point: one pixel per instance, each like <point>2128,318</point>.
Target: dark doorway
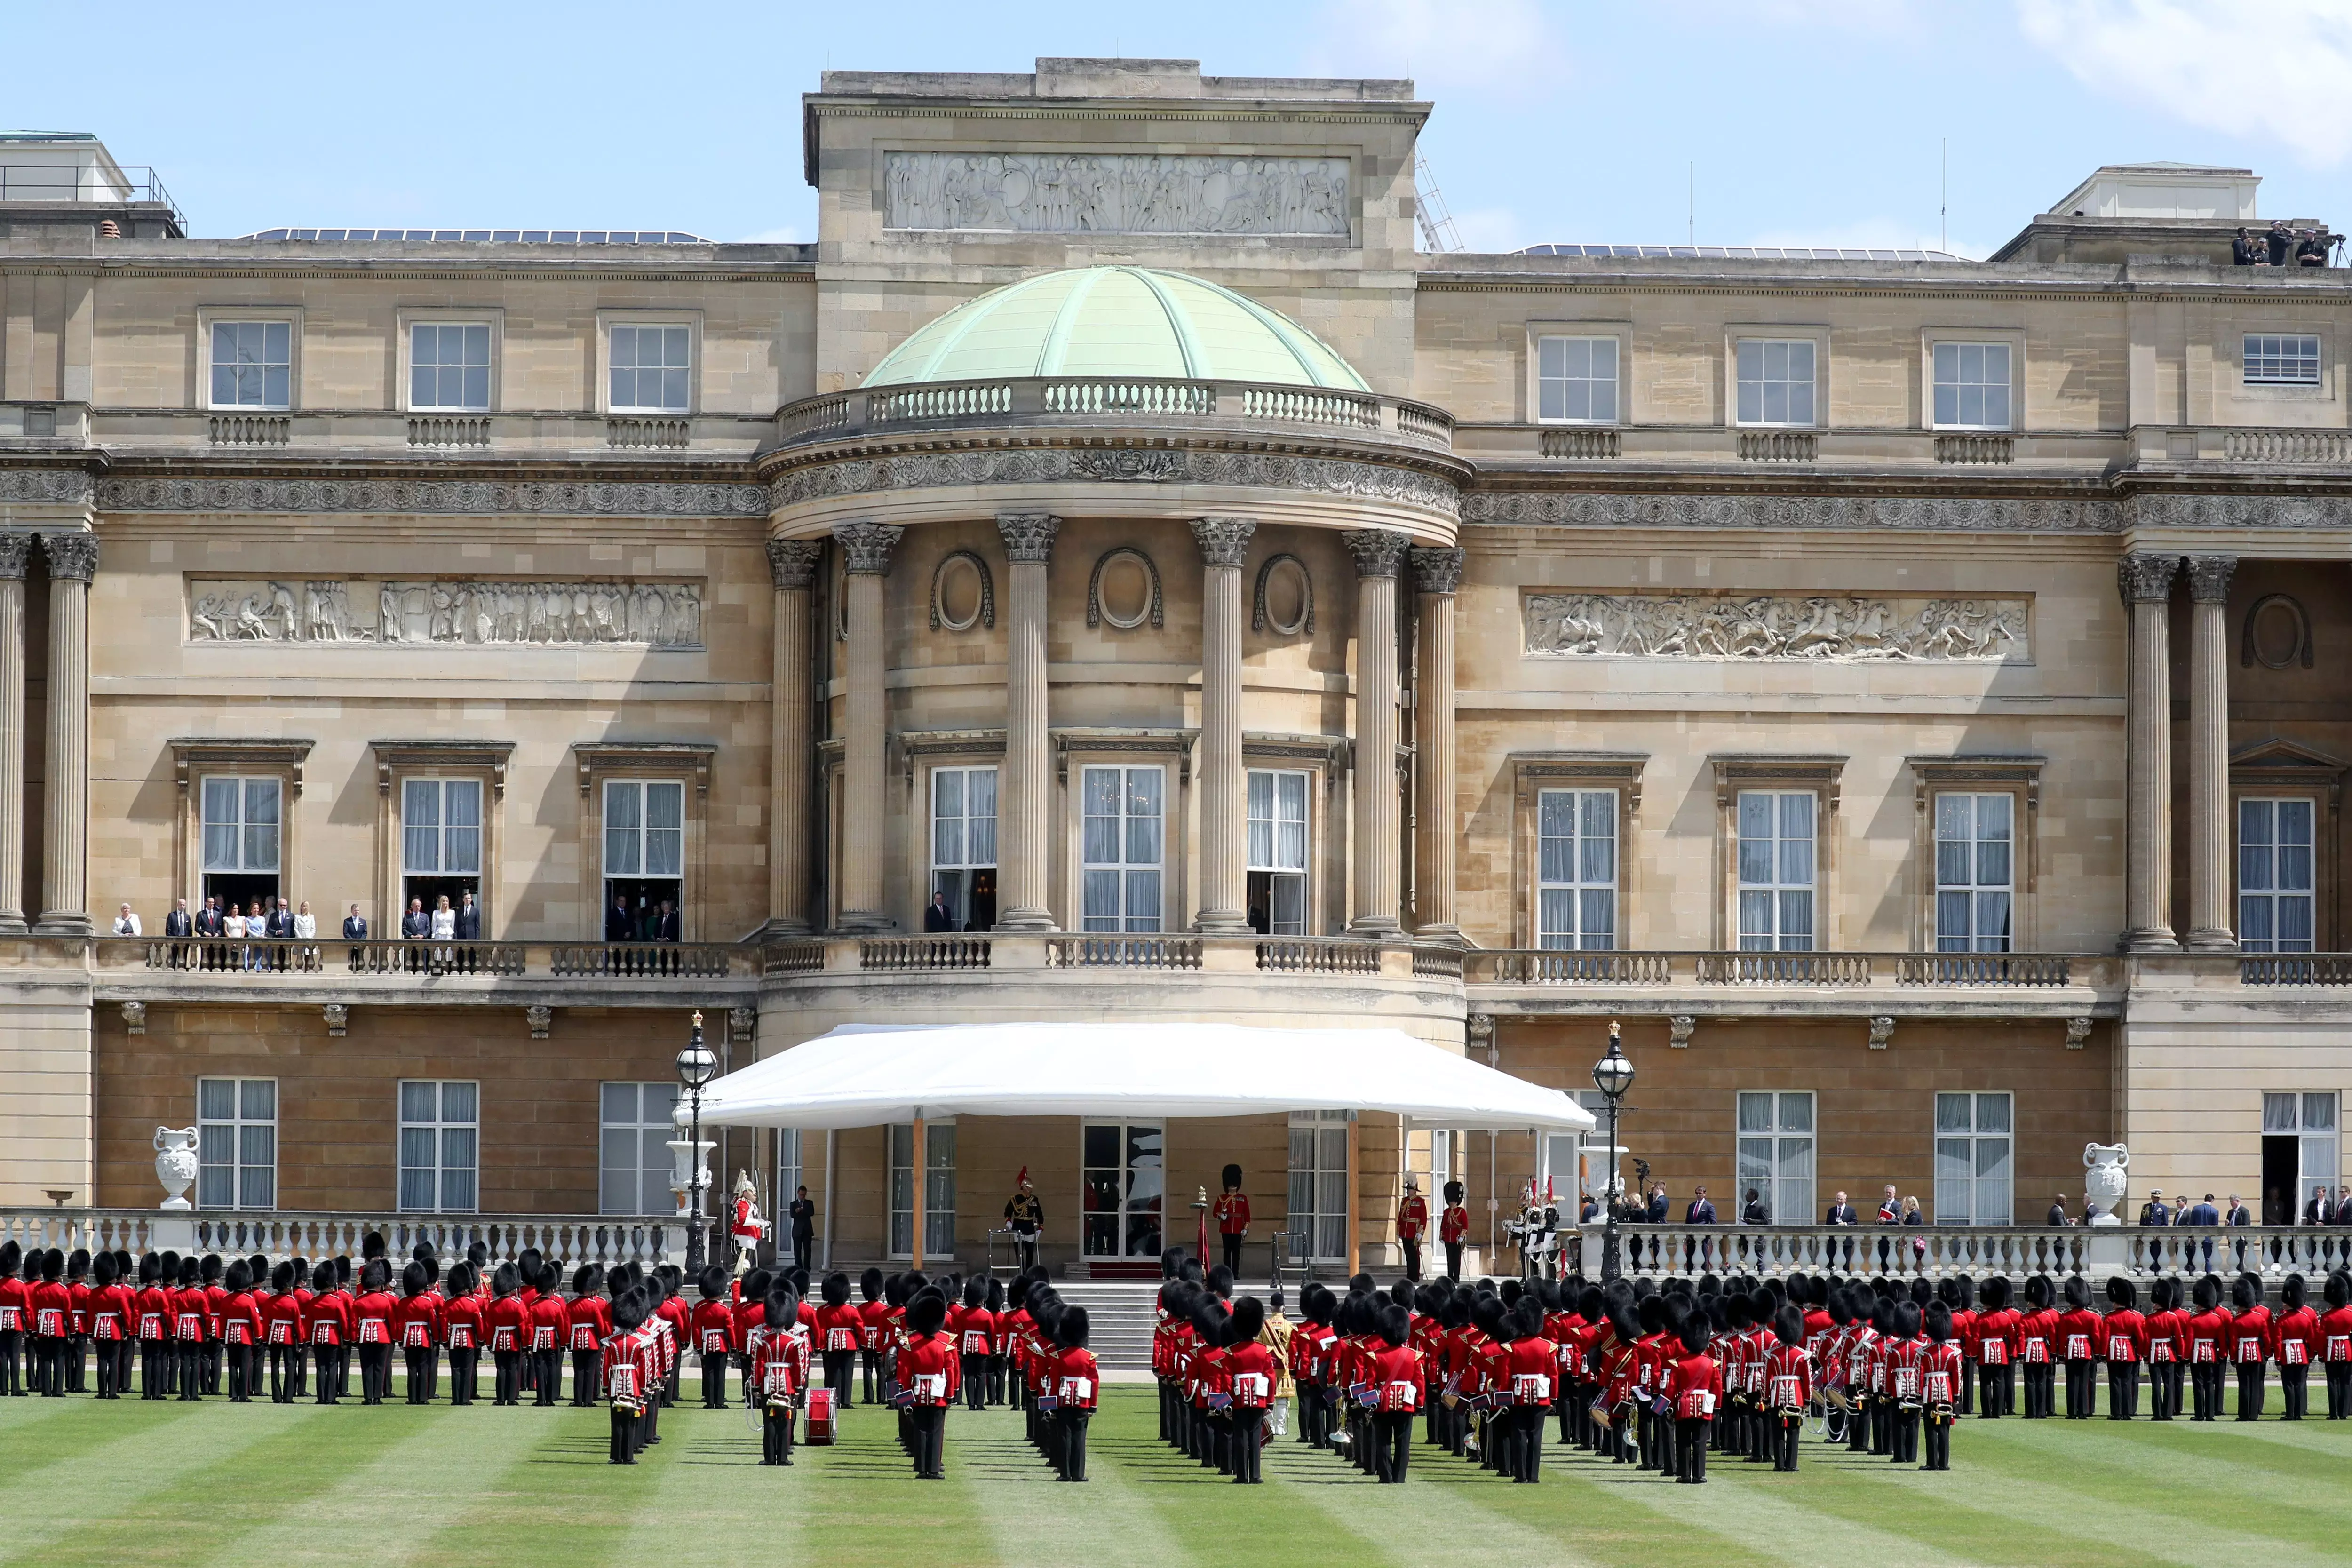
<point>2281,1172</point>
<point>640,897</point>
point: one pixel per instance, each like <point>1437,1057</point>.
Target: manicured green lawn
<point>127,1483</point>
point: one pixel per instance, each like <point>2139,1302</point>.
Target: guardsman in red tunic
<point>1400,1383</point>
<point>712,1330</point>
<point>842,1334</point>
<point>1250,1373</point>
<point>621,1373</point>
<point>871,1310</point>
<point>2296,1345</point>
<point>2123,1345</point>
<point>188,1318</point>
<point>927,1372</point>
<point>1694,1386</point>
<point>15,1297</point>
<point>1788,1387</point>
<point>1231,1214</point>
<point>778,1372</point>
<point>78,1298</point>
<point>587,1324</point>
<point>1616,1367</point>
<point>2249,1344</point>
<point>241,1332</point>
<point>1956,1296</point>
<point>1533,1367</point>
<point>416,1330</point>
<point>1078,1389</point>
<point>1452,1229</point>
<point>465,1328</point>
<point>374,1312</point>
<point>1656,1427</point>
<point>327,1328</point>
<point>1904,1383</point>
<point>2336,1343</point>
<point>2037,1348</point>
<point>2164,1334</point>
<point>111,1327</point>
<point>2077,1339</point>
<point>216,1298</point>
<point>973,1326</point>
<point>1940,1380</point>
<point>510,1326</point>
<point>1996,1359</point>
<point>2208,1324</point>
<point>1411,1225</point>
<point>1311,1346</point>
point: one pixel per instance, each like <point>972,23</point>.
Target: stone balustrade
<point>568,1239</point>
<point>1688,1251</point>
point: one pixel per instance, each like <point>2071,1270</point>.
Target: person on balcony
<point>305,927</point>
<point>127,922</point>
<point>177,923</point>
<point>2152,1212</point>
<point>416,926</point>
<point>618,926</point>
<point>937,916</point>
<point>2320,1209</point>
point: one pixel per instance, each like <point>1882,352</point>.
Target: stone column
<point>1224,782</point>
<point>1378,552</point>
<point>1024,831</point>
<point>14,548</point>
<point>64,845</point>
<point>1435,574</point>
<point>865,553</point>
<point>792,565</point>
<point>2146,583</point>
<point>2211,928</point>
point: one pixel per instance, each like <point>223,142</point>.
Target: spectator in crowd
<point>618,926</point>
<point>127,922</point>
<point>305,927</point>
<point>1658,1207</point>
<point>2237,1212</point>
<point>2152,1212</point>
<point>936,915</point>
<point>2281,240</point>
<point>177,923</point>
<point>1912,1214</point>
<point>1840,1212</point>
<point>2311,250</point>
<point>416,926</point>
<point>356,928</point>
<point>2320,1209</point>
<point>2245,250</point>
<point>666,926</point>
<point>281,923</point>
<point>1701,1210</point>
<point>208,919</point>
<point>2058,1212</point>
<point>2344,1205</point>
<point>1890,1207</point>
<point>1753,1211</point>
<point>1589,1211</point>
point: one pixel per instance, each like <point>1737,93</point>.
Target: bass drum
<point>820,1418</point>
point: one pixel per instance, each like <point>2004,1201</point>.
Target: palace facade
<point>1116,574</point>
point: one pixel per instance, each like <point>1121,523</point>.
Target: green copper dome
<point>1117,322</point>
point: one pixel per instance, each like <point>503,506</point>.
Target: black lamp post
<point>1613,1075</point>
<point>695,1066</point>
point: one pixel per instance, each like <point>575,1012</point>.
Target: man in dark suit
<point>2057,1212</point>
<point>468,927</point>
<point>1701,1210</point>
<point>618,926</point>
<point>1657,1215</point>
<point>279,929</point>
<point>178,923</point>
<point>1841,1213</point>
<point>936,916</point>
<point>355,928</point>
<point>2152,1212</point>
<point>2320,1210</point>
<point>668,926</point>
<point>416,926</point>
<point>803,1215</point>
<point>208,923</point>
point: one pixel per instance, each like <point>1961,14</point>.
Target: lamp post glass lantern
<point>1613,1076</point>
<point>696,1068</point>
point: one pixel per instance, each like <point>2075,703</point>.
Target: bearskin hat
<point>2122,1294</point>
<point>209,1270</point>
<point>1249,1319</point>
<point>104,1270</point>
<point>1695,1334</point>
<point>1220,1282</point>
<point>1394,1325</point>
<point>2037,1292</point>
<point>341,1265</point>
<point>1171,1259</point>
<point>372,1245</point>
<point>2337,1291</point>
<point>412,1279</point>
<point>376,1276</point>
<point>53,1266</point>
<point>1230,1176</point>
<point>1789,1325</point>
<point>1937,1321</point>
<point>975,1290</point>
<point>12,1258</point>
<point>1907,1320</point>
<point>322,1277</point>
<point>711,1283</point>
<point>1994,1292</point>
<point>506,1281</point>
<point>927,1311</point>
<point>1736,1315</point>
<point>2206,1294</point>
<point>191,1271</point>
<point>2078,1293</point>
<point>2243,1295</point>
<point>583,1279</point>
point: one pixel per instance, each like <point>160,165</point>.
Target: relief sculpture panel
<point>1115,192</point>
<point>479,612</point>
<point>1774,626</point>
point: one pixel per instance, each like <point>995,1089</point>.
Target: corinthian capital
<point>1435,569</point>
<point>72,555</point>
<point>2145,577</point>
<point>1377,550</point>
<point>792,562</point>
<point>14,550</point>
<point>1028,535</point>
<point>1222,539</point>
<point>865,547</point>
<point>2208,578</point>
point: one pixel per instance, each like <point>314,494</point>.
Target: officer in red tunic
<point>1231,1214</point>
<point>2123,1345</point>
<point>1788,1385</point>
<point>1411,1225</point>
<point>621,1373</point>
<point>2207,1326</point>
<point>2249,1344</point>
<point>778,1371</point>
<point>241,1332</point>
<point>1939,1380</point>
<point>110,1326</point>
<point>1694,1386</point>
<point>1452,1229</point>
<point>712,1330</point>
<point>587,1324</point>
<point>927,1372</point>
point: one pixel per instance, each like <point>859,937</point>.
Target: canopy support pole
<point>923,1171</point>
<point>1355,1175</point>
<point>828,1200</point>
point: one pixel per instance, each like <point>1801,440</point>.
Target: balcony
<point>1761,984</point>
<point>656,974</point>
<point>131,435</point>
<point>1632,450</point>
<point>604,1240</point>
<point>1688,1251</point>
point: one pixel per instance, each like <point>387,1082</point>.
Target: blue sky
<point>1806,121</point>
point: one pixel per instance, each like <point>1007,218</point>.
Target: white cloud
<point>1507,47</point>
<point>2281,69</point>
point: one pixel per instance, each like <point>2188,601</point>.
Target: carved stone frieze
<point>2264,512</point>
<point>461,496</point>
<point>1939,514</point>
<point>1051,464</point>
<point>1113,193</point>
<point>1223,541</point>
<point>72,555</point>
<point>1774,626</point>
<point>449,612</point>
<point>792,562</point>
<point>46,487</point>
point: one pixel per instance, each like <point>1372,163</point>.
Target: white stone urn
<point>2105,1167</point>
<point>175,1165</point>
<point>687,1156</point>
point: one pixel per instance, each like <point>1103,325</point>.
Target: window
<point>1122,848</point>
<point>237,1142</point>
<point>649,369</point>
<point>1972,872</point>
<point>1973,1152</point>
<point>253,364</point>
<point>1575,381</point>
<point>2281,359</point>
<point>644,855</point>
<point>1972,386</point>
<point>1775,381</point>
<point>939,1190</point>
<point>789,1178</point>
<point>1576,868</point>
<point>240,830</point>
<point>1122,1187</point>
<point>1277,853</point>
<point>2274,875</point>
<point>1776,1154</point>
<point>963,846</point>
<point>1776,871</point>
<point>1319,1181</point>
<point>440,1135</point>
<point>449,366</point>
<point>2299,1135</point>
<point>440,839</point>
<point>634,1160</point>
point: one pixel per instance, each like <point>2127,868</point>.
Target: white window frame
<point>441,1125</point>
<point>607,320</point>
<point>613,367</point>
<point>442,829</point>
<point>1776,890</point>
<point>1763,341</point>
<point>1958,350</point>
<point>1581,882</point>
<point>939,1190</point>
<point>409,320</point>
<point>2272,864</point>
<point>641,834</point>
<point>2319,1149</point>
<point>241,826</point>
<point>208,316</point>
<point>964,862</point>
<point>647,1166</point>
<point>1132,1184</point>
<point>1976,1138</point>
<point>789,1177</point>
<point>1973,855</point>
<point>213,365</point>
<point>1318,1188</point>
<point>1128,872</point>
<point>1788,1199</point>
<point>2277,351</point>
<point>252,1180</point>
<point>1265,852</point>
<point>1556,354</point>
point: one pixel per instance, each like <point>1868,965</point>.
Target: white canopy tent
<point>864,1075</point>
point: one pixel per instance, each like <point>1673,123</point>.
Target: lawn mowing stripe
<point>542,1477</point>
<point>36,1433</point>
<point>97,1482</point>
<point>2290,1465</point>
<point>1116,1522</point>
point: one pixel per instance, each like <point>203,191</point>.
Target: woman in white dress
<point>306,926</point>
<point>444,929</point>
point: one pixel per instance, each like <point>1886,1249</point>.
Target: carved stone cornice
<point>459,496</point>
<point>15,549</point>
<point>2147,577</point>
<point>1968,515</point>
<point>865,547</point>
<point>1377,551</point>
<point>47,486</point>
<point>1223,541</point>
<point>70,555</point>
<point>1436,569</point>
<point>1028,535</point>
<point>2208,578</point>
<point>2242,511</point>
<point>793,563</point>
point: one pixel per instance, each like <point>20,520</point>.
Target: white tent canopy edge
<point>862,1075</point>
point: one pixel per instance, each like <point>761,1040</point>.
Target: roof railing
<point>91,185</point>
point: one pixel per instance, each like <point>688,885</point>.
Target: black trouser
<point>417,1358</point>
<point>930,1423</point>
<point>2339,1390</point>
<point>1968,1388</point>
<point>623,1450</point>
<point>2080,1389</point>
<point>49,1367</point>
<point>332,1361</point>
<point>1940,1440</point>
<point>1453,1260</point>
<point>2295,1388</point>
<point>2249,1390</point>
<point>776,1434</point>
<point>2122,1390</point>
<point>2175,1377</point>
<point>803,1245</point>
<point>1392,1444</point>
<point>12,1377</point>
<point>1787,1426</point>
<point>509,1377</point>
<point>1412,1257</point>
<point>239,1369</point>
<point>1882,1425</point>
<point>1074,1441</point>
<point>1529,1457</point>
<point>2160,1397</point>
<point>1246,1426</point>
<point>714,1381</point>
<point>1234,1254</point>
<point>188,1368</point>
<point>842,1390</point>
<point>76,1361</point>
<point>995,1366</point>
<point>1857,1422</point>
<point>464,1380</point>
<point>1618,1452</point>
<point>213,1361</point>
<point>1999,1385</point>
<point>109,1364</point>
<point>975,1383</point>
<point>584,1377</point>
<point>1690,1438</point>
<point>1025,1249</point>
<point>1905,1447</point>
<point>840,1375</point>
<point>2040,1379</point>
<point>2205,1389</point>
